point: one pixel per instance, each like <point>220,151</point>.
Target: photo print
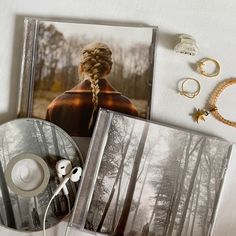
<point>70,70</point>
<point>152,180</point>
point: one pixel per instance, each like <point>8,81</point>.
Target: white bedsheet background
<point>212,23</point>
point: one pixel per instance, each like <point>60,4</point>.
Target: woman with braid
<point>76,110</point>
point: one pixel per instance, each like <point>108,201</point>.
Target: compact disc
<point>29,151</point>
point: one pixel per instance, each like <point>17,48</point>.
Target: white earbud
<point>63,167</point>
<point>74,176</point>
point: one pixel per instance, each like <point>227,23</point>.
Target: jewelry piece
<point>183,91</point>
<point>200,114</point>
<point>187,45</point>
<point>202,63</point>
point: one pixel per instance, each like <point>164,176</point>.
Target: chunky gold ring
<point>185,92</point>
<point>202,63</point>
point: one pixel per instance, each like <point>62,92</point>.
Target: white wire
<point>45,215</point>
<point>46,211</point>
<point>69,208</point>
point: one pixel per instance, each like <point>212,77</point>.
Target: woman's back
<point>73,109</point>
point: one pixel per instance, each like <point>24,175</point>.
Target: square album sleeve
<point>69,69</point>
<point>144,178</point>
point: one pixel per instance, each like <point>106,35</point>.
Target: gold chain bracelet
<point>200,114</point>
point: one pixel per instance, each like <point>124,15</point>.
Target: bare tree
<point>56,206</point>
<point>196,203</point>
<point>179,189</point>
<point>55,142</point>
<point>208,190</point>
<point>124,154</point>
<point>190,209</point>
<point>49,52</point>
<point>142,188</point>
<point>1,220</point>
<point>117,200</point>
<point>188,154</point>
<point>6,196</point>
<point>119,231</point>
<point>191,184</point>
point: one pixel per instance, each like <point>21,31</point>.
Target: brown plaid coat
<point>72,110</point>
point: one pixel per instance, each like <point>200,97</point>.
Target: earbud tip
<point>63,167</point>
<point>76,174</point>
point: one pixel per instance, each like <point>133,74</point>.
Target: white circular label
<point>27,174</point>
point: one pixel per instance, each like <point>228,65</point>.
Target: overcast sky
<point>125,35</point>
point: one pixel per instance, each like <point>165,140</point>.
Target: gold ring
<point>183,91</point>
<point>201,64</point>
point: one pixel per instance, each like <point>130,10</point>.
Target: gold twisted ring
<point>201,64</point>
<point>185,92</point>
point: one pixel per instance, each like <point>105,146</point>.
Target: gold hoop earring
<point>202,63</point>
<point>185,92</point>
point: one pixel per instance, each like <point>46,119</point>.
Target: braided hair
<point>96,62</point>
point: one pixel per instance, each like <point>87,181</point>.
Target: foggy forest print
<point>156,181</point>
<point>49,143</point>
<point>59,45</point>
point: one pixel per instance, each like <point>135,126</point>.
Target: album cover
<point>143,178</point>
<point>69,70</point>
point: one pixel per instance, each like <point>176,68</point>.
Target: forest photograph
<point>26,136</point>
<point>156,181</point>
<point>57,58</point>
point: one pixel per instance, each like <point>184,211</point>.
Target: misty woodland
<point>155,180</point>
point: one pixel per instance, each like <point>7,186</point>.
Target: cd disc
<point>29,151</point>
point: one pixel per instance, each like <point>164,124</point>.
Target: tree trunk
<point>218,183</point>
<point>107,207</point>
<point>1,219</point>
<point>55,142</point>
<point>115,182</point>
<point>154,207</point>
<point>190,211</point>
<point>191,184</point>
<point>40,65</point>
<point>168,216</point>
<point>44,146</point>
<point>51,162</point>
<point>122,197</point>
<point>180,188</point>
<point>117,201</point>
<point>6,200</point>
<point>51,76</point>
<point>141,193</point>
<point>64,148</point>
<point>19,208</point>
<point>39,144</point>
<point>196,204</point>
<point>119,231</point>
<point>205,220</point>
<point>156,202</point>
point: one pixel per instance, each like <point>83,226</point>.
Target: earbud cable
<point>69,208</point>
<point>45,216</point>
